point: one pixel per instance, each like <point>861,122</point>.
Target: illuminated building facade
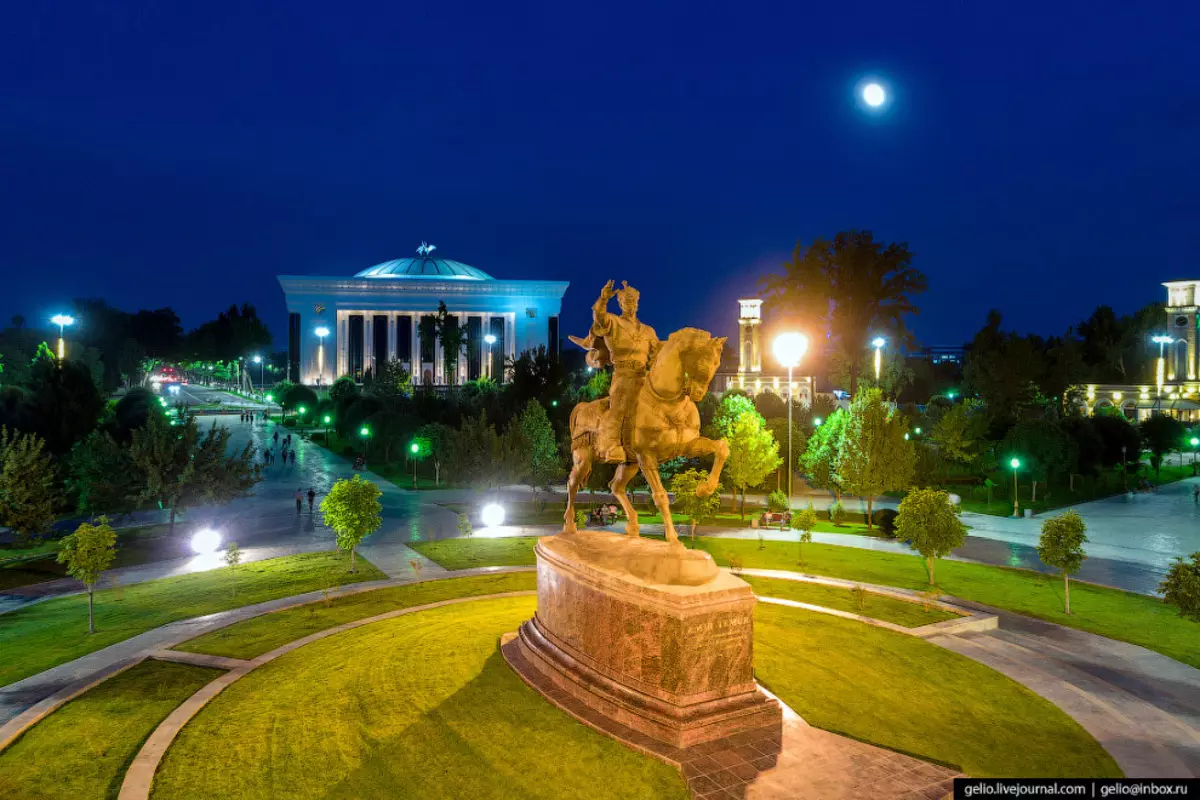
<point>349,325</point>
<point>750,374</point>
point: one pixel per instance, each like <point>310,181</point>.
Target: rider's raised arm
<point>601,319</point>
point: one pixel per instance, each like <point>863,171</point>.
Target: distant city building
<point>348,325</point>
<point>1176,390</point>
<point>939,355</point>
<point>750,375</point>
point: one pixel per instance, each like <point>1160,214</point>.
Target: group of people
<point>286,452</point>
<point>253,416</point>
<point>312,496</point>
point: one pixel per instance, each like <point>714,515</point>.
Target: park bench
<point>773,518</point>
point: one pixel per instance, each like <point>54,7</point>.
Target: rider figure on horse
<point>629,345</point>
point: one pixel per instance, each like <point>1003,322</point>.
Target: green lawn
<point>140,545</point>
<point>420,706</point>
<point>1060,495</point>
<point>83,749</point>
<point>875,606</point>
<point>46,634</point>
<point>253,637</point>
<point>906,694</point>
<point>1135,618</point>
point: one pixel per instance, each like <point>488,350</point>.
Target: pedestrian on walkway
<point>276,437</point>
<point>311,497</point>
<point>1196,493</point>
<point>299,500</point>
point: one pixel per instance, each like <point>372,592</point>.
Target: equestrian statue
<point>650,414</point>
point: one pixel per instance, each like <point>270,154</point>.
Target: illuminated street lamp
<point>321,333</point>
<point>262,367</point>
<point>62,321</point>
<point>1160,373</point>
<point>415,448</point>
<point>300,412</point>
<point>1015,463</point>
<point>816,422</point>
<point>326,419</point>
<point>950,395</point>
<point>1195,442</point>
<point>490,340</point>
<point>789,348</point>
<point>878,342</point>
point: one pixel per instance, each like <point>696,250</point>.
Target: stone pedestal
<point>671,661</point>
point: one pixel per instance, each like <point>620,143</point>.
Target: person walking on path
<point>311,497</point>
<point>299,500</point>
<point>276,437</point>
<point>1196,493</point>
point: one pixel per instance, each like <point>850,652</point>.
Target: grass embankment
<point>420,706</point>
<point>1134,618</point>
<point>912,614</point>
<point>253,637</point>
<point>141,545</point>
<point>83,749</point>
<point>1059,495</point>
<point>46,634</point>
<point>906,694</point>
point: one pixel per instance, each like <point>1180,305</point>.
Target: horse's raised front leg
<point>719,449</point>
<point>662,501</point>
<point>625,473</point>
<point>580,470</point>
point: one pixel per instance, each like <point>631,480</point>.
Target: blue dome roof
<point>425,267</point>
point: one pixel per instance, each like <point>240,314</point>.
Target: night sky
<point>1040,158</point>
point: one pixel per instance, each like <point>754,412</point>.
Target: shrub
<point>347,451</point>
<point>581,518</point>
<point>777,501</point>
<point>885,520</point>
<point>1181,587</point>
<point>837,512</point>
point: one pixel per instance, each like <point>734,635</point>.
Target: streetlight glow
<point>492,515</point>
<point>62,321</point>
<point>874,95</point>
<point>321,333</point>
<point>205,541</point>
<point>490,339</point>
<point>789,348</point>
<point>1015,463</point>
<point>878,342</point>
<point>816,422</point>
<point>365,431</point>
<point>414,448</point>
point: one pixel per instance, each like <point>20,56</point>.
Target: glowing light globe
<point>874,95</point>
<point>205,541</point>
<point>492,515</point>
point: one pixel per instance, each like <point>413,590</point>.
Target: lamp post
<point>300,412</point>
<point>878,342</point>
<point>365,433</point>
<point>1160,372</point>
<point>415,448</point>
<point>1124,471</point>
<point>490,340</point>
<point>62,321</point>
<point>789,349</point>
<point>1015,463</point>
<point>321,333</point>
<point>262,368</point>
<point>1194,442</point>
<point>326,420</point>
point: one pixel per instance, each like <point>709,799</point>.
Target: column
<point>743,355</point>
<point>415,348</point>
<point>391,337</point>
<point>756,358</point>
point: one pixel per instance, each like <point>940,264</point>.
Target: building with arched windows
<point>349,325</point>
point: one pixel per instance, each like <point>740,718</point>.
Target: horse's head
<point>699,355</point>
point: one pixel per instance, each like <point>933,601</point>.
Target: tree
<point>102,476</point>
<point>219,476</point>
<point>1061,547</point>
<point>1043,448</point>
<point>28,492</point>
<point>476,455</point>
<point>875,458</point>
<point>62,404</point>
<point>392,383</point>
<point>697,509</point>
<point>753,454</point>
<point>824,449</point>
<point>733,406</point>
<point>295,396</point>
<point>852,286</point>
<point>464,526</point>
<point>960,431</point>
<point>453,339</point>
<point>87,553</point>
<point>1162,434</point>
<point>353,510</point>
<point>929,522</point>
<point>534,375</point>
<point>536,450</point>
<point>1181,587</point>
<point>233,557</point>
<point>342,393</point>
<point>433,441</point>
<point>804,521</point>
<point>778,426</point>
<point>1120,439</point>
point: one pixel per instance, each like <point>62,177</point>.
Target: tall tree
<point>434,442</point>
<point>733,406</point>
<point>876,457</point>
<point>697,509</point>
<point>453,339</point>
<point>929,521</point>
<point>1162,434</point>
<point>1061,547</point>
<point>854,285</point>
<point>753,454</point>
<point>61,404</point>
<point>824,449</point>
<point>1181,586</point>
<point>535,449</point>
<point>352,509</point>
<point>960,431</point>
<point>28,490</point>
<point>1043,448</point>
<point>102,476</point>
<point>87,553</point>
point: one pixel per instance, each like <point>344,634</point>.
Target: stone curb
<point>970,620</point>
<point>140,775</point>
<point>22,722</point>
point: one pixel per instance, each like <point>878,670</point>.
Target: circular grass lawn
<point>420,706</point>
<point>909,695</point>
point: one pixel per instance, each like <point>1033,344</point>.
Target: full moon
<point>873,94</point>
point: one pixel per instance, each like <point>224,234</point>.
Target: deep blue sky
<point>1041,158</point>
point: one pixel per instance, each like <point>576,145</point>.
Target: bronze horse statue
<point>666,425</point>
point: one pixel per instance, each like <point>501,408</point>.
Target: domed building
<point>349,325</point>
